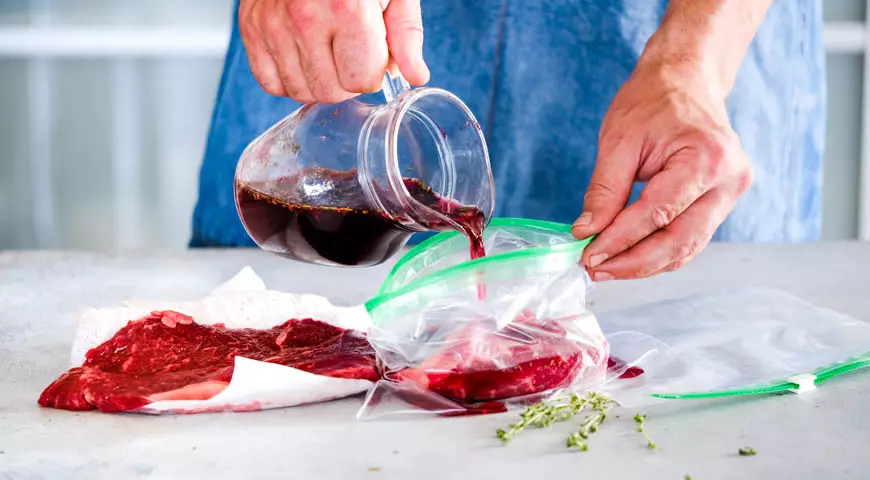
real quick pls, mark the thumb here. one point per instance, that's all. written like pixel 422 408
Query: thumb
pixel 609 189
pixel 404 24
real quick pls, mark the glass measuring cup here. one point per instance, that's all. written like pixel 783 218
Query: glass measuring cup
pixel 348 184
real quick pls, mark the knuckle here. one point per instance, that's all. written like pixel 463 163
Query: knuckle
pixel 357 71
pixel 343 7
pixel 712 142
pixel 300 94
pixel 247 27
pixel 644 272
pixel 745 178
pixel 323 88
pixel 406 23
pixel 272 26
pixel 687 249
pixel 269 82
pixel 598 190
pixel 674 266
pixel 662 214
pixel 327 95
pixel 714 148
pixel 304 17
pixel 291 87
pixel 319 91
pixel 671 267
pixel 272 86
pixel 610 137
pixel 297 94
pixel 305 99
pixel 355 82
pixel 409 24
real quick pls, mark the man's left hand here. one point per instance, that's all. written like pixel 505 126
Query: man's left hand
pixel 667 126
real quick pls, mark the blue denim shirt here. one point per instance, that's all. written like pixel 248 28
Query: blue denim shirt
pixel 539 76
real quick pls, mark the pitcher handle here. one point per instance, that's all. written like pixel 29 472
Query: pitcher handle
pixel 394 84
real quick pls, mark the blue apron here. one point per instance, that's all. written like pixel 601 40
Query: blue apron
pixel 539 77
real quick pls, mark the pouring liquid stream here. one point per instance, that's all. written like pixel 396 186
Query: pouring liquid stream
pixel 393 85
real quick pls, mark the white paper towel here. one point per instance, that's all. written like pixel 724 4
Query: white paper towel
pixel 241 302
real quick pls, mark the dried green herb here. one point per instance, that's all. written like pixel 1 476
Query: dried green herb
pixel 544 414
pixel 747 451
pixel 601 406
pixel 640 420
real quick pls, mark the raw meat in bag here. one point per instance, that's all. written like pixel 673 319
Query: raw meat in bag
pixel 475 337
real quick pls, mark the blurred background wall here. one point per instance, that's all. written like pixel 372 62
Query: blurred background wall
pixel 105 104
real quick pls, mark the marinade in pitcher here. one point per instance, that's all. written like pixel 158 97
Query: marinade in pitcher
pixel 329 221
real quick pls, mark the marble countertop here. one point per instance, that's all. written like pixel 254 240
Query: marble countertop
pixel 821 434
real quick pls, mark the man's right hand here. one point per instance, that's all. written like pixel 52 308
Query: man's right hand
pixel 326 51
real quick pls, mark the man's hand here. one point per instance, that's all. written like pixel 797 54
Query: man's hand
pixel 668 126
pixel 669 132
pixel 326 51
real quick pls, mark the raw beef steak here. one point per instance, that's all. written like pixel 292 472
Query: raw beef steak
pixel 480 363
pixel 167 356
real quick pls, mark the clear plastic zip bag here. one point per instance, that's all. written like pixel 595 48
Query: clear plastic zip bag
pixel 733 342
pixel 439 314
pixel 458 337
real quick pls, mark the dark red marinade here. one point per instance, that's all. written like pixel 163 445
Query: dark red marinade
pixel 324 216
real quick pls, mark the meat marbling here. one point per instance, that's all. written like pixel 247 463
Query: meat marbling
pixel 168 356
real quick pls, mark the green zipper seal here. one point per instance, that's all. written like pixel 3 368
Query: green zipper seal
pixel 822 375
pixel 445 236
pixel 450 272
pixel 855 363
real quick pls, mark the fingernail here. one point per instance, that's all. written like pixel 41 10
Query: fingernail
pixel 585 220
pixel 602 276
pixel 597 259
